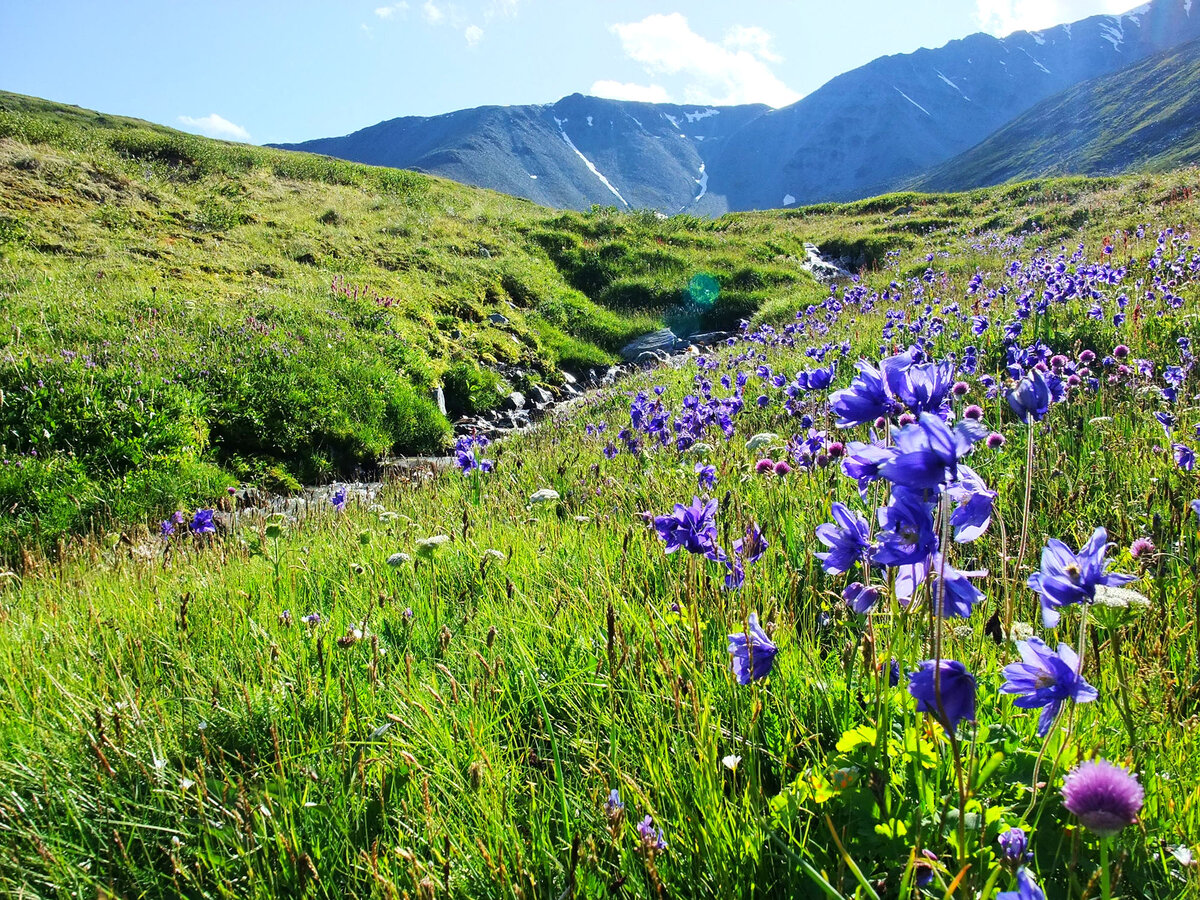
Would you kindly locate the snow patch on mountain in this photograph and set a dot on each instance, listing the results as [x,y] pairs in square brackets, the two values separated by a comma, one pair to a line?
[953,85]
[587,162]
[703,182]
[1036,61]
[913,102]
[700,114]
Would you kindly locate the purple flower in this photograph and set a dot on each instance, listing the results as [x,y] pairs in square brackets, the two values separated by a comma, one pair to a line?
[929,452]
[694,528]
[1141,547]
[1167,421]
[338,499]
[973,412]
[706,476]
[973,506]
[652,838]
[764,466]
[848,540]
[1104,797]
[957,691]
[1027,888]
[751,652]
[1046,679]
[782,468]
[1185,457]
[166,528]
[995,441]
[1030,399]
[312,620]
[869,397]
[956,595]
[1195,507]
[863,462]
[1015,845]
[907,536]
[614,807]
[1067,577]
[860,598]
[202,522]
[752,547]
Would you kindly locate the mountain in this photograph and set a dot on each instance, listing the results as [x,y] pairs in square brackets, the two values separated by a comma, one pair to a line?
[573,154]
[871,129]
[1143,118]
[867,131]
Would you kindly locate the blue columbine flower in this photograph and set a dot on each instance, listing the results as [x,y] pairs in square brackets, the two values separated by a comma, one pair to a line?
[1015,845]
[1027,888]
[694,528]
[862,462]
[957,595]
[973,505]
[860,598]
[957,690]
[1067,577]
[1185,457]
[1046,679]
[338,499]
[202,522]
[848,540]
[751,652]
[1030,399]
[907,536]
[870,395]
[929,452]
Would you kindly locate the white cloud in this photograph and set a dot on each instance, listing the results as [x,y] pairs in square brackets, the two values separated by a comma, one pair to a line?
[473,34]
[433,15]
[644,93]
[505,8]
[735,71]
[1003,17]
[386,12]
[216,126]
[753,39]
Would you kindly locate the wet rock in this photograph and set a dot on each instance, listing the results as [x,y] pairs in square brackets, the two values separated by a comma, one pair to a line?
[664,340]
[514,401]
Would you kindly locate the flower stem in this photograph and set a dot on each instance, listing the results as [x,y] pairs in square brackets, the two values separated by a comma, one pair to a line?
[1105,875]
[1028,494]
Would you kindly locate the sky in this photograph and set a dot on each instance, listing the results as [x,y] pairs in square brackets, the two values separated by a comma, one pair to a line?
[274,71]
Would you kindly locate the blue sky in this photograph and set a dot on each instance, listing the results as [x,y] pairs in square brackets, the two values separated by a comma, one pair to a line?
[262,70]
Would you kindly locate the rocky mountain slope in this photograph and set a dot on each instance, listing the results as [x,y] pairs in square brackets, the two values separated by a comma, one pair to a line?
[576,153]
[867,131]
[1144,118]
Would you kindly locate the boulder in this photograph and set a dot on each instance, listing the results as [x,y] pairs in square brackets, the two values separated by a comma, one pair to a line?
[498,319]
[709,338]
[664,341]
[540,395]
[514,401]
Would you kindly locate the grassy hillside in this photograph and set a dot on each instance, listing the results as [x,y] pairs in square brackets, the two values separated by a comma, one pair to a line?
[1145,118]
[541,702]
[182,314]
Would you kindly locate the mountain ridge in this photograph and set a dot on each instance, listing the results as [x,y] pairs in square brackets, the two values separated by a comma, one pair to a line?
[867,131]
[1145,117]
